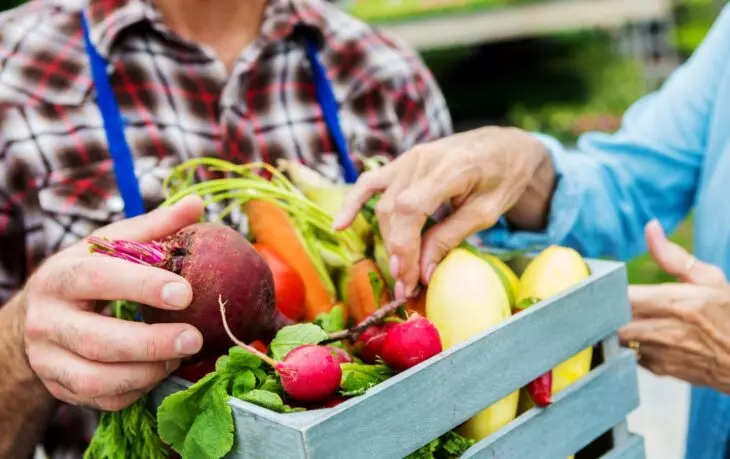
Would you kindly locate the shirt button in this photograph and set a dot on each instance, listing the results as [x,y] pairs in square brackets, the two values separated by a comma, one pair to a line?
[115,204]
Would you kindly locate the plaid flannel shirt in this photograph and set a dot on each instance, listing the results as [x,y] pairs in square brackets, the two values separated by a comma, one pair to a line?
[178,101]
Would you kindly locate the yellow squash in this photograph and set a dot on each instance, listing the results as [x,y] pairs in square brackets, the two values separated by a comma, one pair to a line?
[507,276]
[464,298]
[555,269]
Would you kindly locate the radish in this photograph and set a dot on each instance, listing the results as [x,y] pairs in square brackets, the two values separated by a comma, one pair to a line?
[308,373]
[409,343]
[215,260]
[341,355]
[370,342]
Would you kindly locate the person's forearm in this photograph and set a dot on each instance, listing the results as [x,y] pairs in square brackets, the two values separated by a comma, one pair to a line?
[530,213]
[25,404]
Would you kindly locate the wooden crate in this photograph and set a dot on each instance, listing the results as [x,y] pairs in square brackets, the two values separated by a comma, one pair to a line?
[407,411]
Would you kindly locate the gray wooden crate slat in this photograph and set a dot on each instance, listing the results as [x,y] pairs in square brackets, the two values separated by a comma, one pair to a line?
[411,409]
[589,408]
[632,449]
[416,406]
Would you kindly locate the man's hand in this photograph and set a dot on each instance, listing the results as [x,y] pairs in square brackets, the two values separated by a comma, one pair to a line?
[483,173]
[85,358]
[683,329]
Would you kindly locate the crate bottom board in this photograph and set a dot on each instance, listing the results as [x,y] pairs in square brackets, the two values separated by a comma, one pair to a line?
[579,415]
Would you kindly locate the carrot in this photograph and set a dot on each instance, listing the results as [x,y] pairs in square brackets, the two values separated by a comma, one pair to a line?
[417,304]
[270,224]
[361,296]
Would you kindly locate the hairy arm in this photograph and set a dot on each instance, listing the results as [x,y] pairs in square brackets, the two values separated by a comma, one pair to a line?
[25,404]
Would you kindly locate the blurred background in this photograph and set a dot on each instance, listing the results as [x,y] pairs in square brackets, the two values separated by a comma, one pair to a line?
[562,67]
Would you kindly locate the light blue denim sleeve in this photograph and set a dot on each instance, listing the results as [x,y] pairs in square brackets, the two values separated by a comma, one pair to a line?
[611,185]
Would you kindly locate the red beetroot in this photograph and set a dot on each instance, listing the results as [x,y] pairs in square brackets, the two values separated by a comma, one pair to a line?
[195,371]
[309,373]
[370,342]
[215,260]
[541,389]
[409,343]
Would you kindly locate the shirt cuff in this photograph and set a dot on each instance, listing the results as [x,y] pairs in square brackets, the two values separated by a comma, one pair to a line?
[564,207]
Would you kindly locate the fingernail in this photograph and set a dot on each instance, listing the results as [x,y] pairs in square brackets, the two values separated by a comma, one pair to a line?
[429,272]
[176,294]
[338,221]
[400,291]
[172,365]
[187,343]
[394,266]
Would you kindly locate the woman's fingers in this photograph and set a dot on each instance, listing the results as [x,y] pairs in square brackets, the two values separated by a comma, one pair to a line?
[677,262]
[448,234]
[369,184]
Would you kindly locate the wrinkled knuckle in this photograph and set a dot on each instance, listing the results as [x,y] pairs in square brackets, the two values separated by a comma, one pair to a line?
[36,324]
[86,386]
[149,289]
[408,204]
[153,348]
[383,208]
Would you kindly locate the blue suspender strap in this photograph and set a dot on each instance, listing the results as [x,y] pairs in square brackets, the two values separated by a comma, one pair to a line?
[330,110]
[114,129]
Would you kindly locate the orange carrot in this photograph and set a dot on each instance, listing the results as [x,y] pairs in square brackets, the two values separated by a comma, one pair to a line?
[417,304]
[271,225]
[360,294]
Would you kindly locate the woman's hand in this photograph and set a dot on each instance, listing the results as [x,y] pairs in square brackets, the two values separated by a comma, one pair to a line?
[683,329]
[481,173]
[85,358]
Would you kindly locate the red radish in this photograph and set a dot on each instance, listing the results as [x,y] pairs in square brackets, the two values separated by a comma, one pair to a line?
[341,355]
[370,342]
[409,343]
[309,373]
[289,288]
[215,260]
[541,389]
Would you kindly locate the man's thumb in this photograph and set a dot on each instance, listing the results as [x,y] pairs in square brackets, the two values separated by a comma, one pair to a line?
[678,262]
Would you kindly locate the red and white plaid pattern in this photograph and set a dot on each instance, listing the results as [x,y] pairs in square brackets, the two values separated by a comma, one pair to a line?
[179,102]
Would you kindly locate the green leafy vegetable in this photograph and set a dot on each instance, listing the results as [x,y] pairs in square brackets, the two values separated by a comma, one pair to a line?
[294,336]
[243,382]
[357,378]
[130,433]
[448,446]
[189,420]
[376,284]
[332,321]
[266,399]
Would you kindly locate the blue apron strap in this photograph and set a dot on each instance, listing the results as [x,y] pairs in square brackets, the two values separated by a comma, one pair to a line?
[328,103]
[114,129]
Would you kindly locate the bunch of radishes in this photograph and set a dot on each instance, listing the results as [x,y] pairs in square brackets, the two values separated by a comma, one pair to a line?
[234,302]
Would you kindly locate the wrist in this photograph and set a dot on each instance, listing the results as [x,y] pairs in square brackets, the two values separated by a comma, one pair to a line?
[530,212]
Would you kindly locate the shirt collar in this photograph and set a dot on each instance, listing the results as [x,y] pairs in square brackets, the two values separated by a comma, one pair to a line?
[110,18]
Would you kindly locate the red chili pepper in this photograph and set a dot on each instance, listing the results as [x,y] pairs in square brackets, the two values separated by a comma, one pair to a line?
[541,389]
